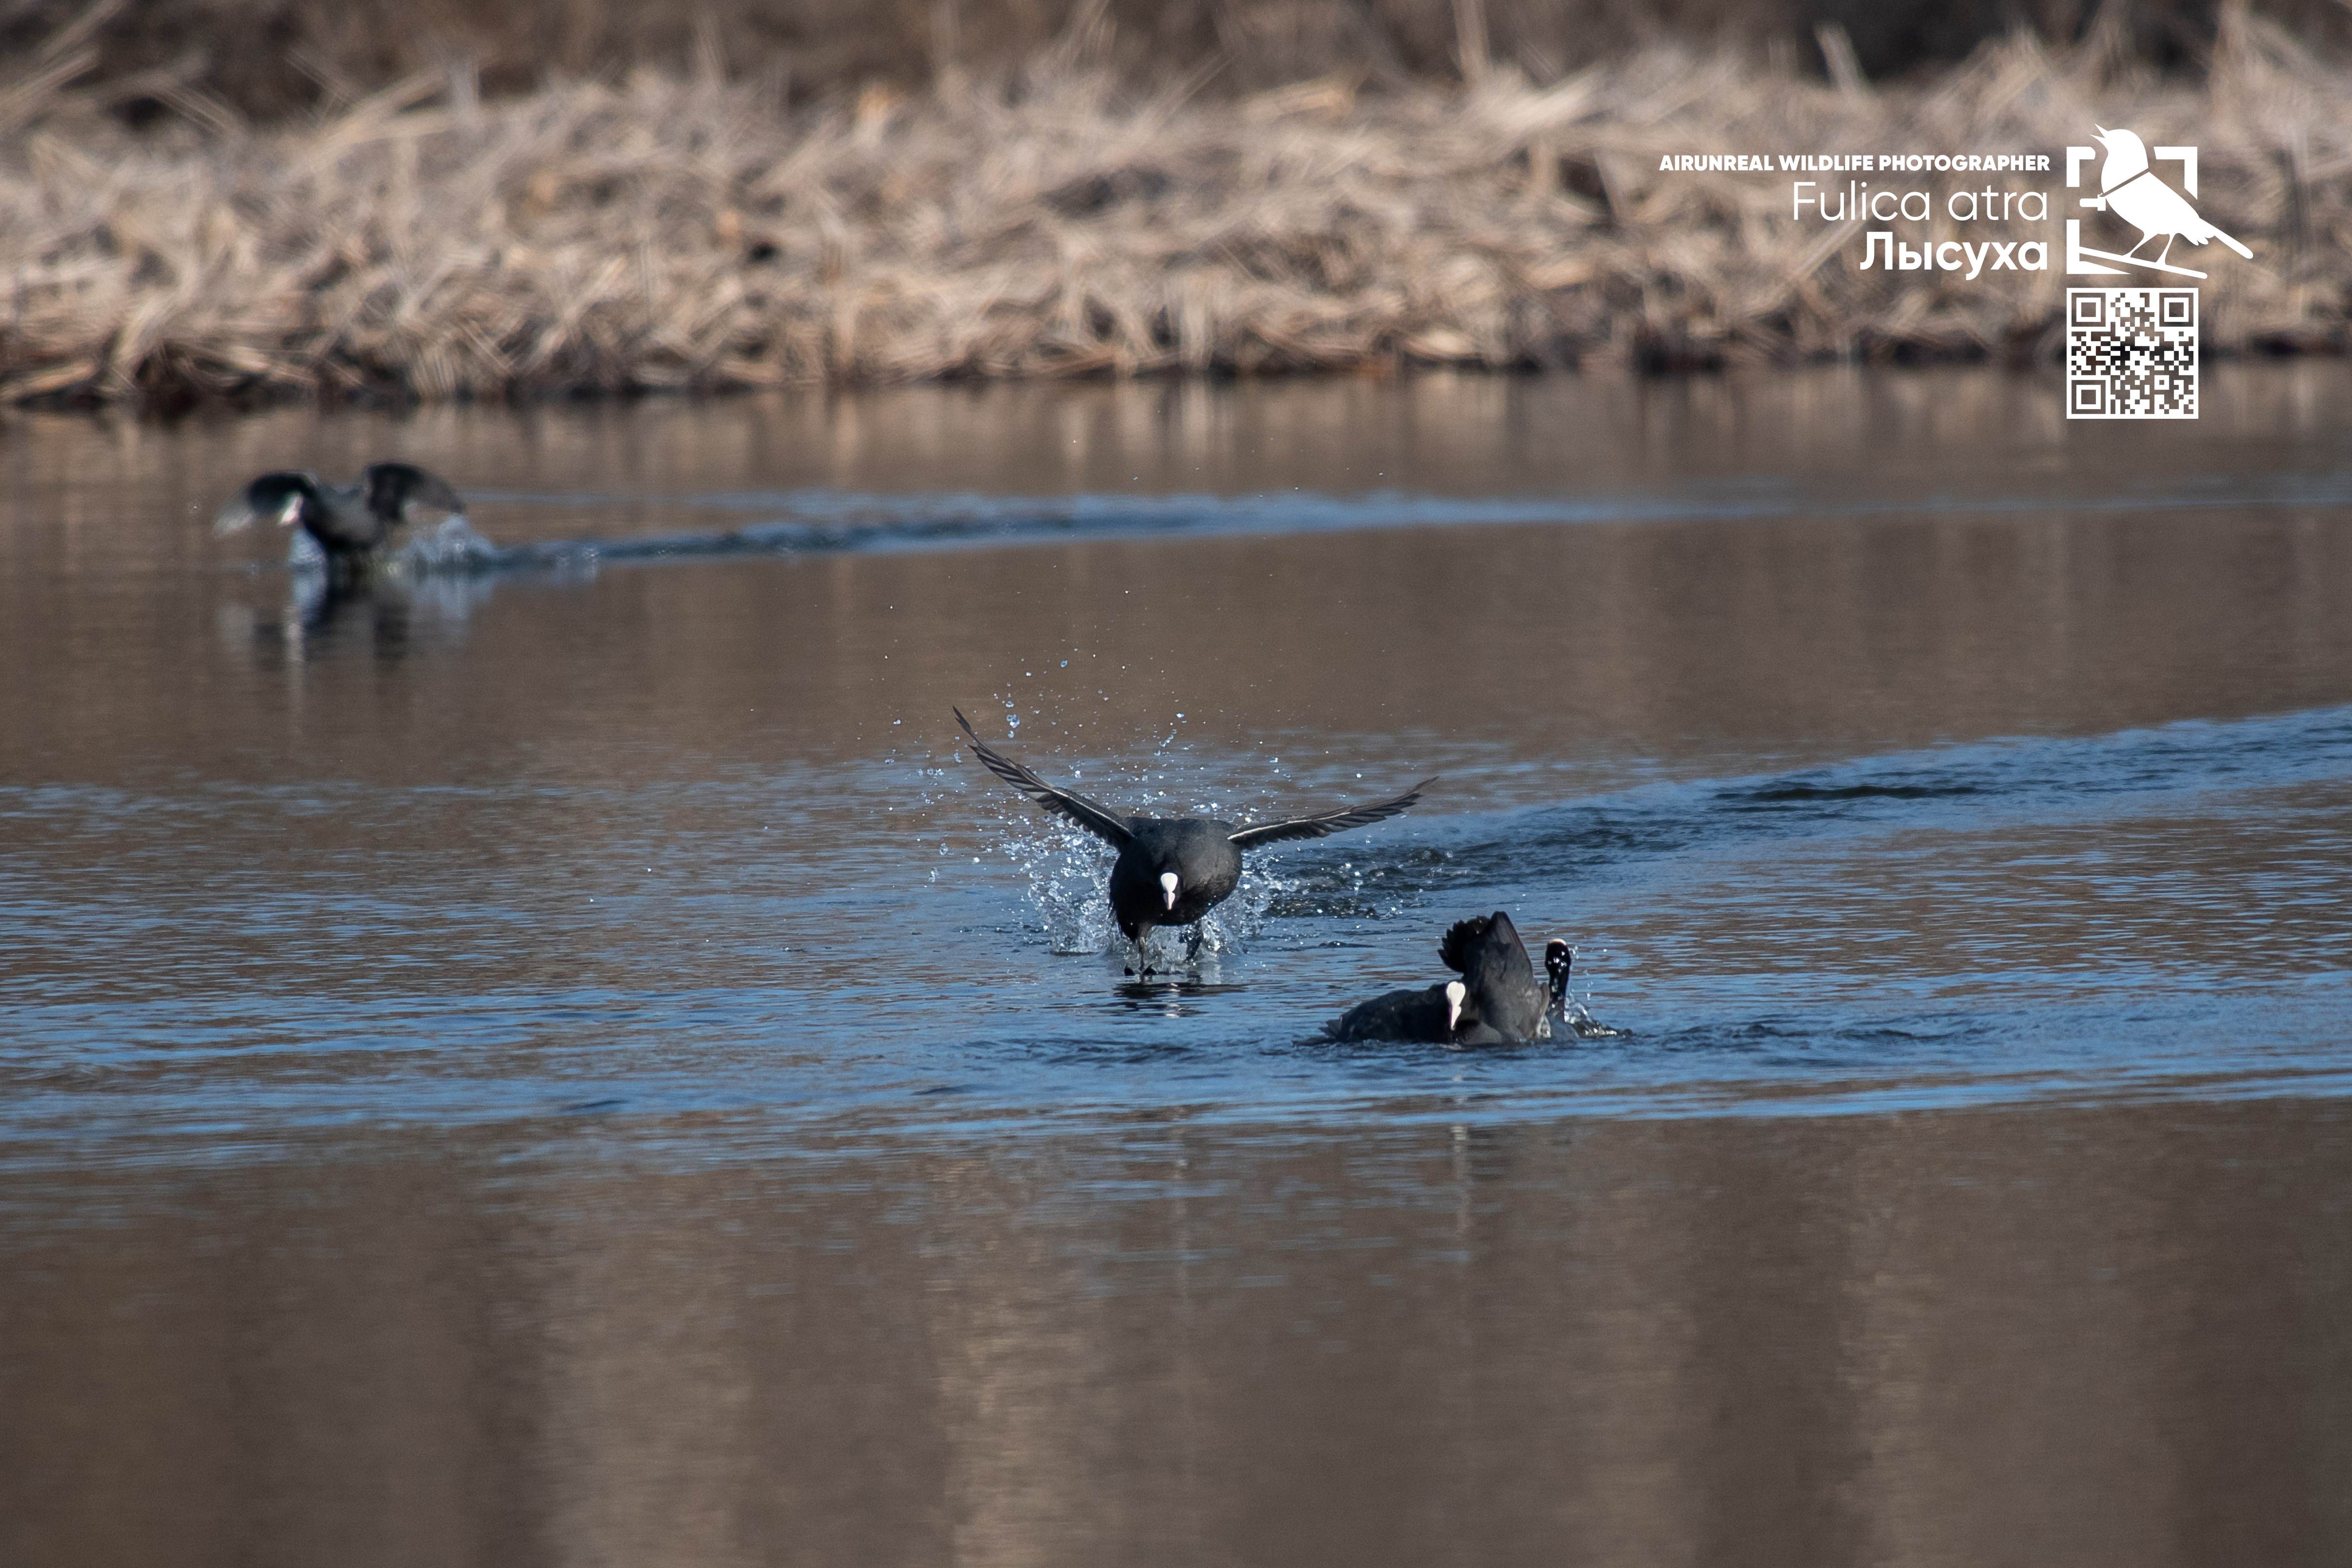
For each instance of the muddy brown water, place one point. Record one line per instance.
(565, 1063)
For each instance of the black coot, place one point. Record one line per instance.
(351, 523)
(1506, 1004)
(1497, 1000)
(1430, 1015)
(1171, 870)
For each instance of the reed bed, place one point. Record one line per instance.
(685, 232)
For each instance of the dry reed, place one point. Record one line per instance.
(270, 59)
(686, 233)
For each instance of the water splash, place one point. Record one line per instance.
(1067, 872)
(1580, 1021)
(452, 546)
(1068, 876)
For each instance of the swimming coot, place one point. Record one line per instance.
(1496, 1002)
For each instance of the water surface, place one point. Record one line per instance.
(570, 1062)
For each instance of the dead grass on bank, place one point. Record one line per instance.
(681, 233)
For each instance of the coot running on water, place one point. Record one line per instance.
(1171, 870)
(351, 523)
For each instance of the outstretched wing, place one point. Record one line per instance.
(1330, 822)
(403, 492)
(1092, 815)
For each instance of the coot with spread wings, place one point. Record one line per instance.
(1171, 870)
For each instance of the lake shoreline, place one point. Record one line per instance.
(688, 234)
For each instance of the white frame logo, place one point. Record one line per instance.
(2130, 188)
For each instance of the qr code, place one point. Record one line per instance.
(2131, 353)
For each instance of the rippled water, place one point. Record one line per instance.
(1944, 800)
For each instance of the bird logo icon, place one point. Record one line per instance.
(2131, 189)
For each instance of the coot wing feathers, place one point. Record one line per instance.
(1330, 822)
(1092, 815)
(403, 492)
(1489, 942)
(1461, 940)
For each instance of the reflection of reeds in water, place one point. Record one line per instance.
(682, 233)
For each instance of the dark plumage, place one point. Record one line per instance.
(1429, 1015)
(1497, 1000)
(353, 523)
(1504, 1003)
(1171, 870)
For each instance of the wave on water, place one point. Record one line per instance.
(826, 522)
(1527, 858)
(217, 1015)
(821, 519)
(1950, 785)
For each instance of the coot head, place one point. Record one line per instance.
(282, 498)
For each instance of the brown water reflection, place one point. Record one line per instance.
(1806, 638)
(2088, 1336)
(1810, 634)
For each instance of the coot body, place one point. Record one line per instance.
(352, 524)
(1171, 870)
(1427, 1017)
(1497, 1001)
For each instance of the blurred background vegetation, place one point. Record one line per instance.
(435, 199)
(267, 59)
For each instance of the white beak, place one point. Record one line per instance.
(1167, 887)
(289, 511)
(1454, 992)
